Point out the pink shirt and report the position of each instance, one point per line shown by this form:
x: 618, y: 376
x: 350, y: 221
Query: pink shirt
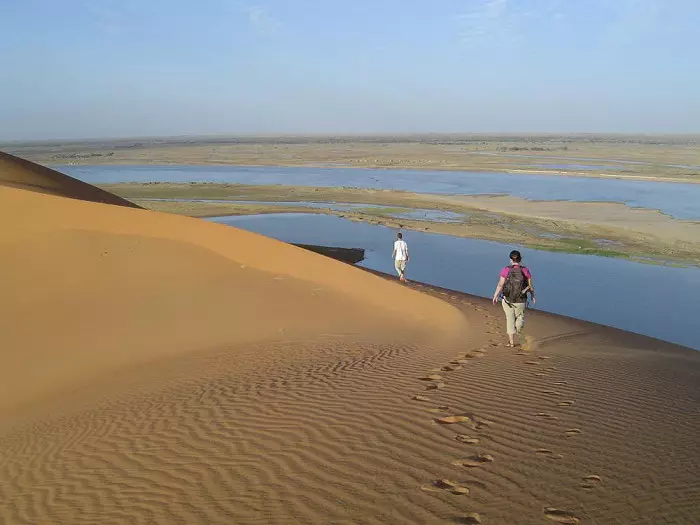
x: 504, y: 272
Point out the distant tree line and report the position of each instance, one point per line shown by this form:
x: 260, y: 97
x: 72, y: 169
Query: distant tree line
x: 81, y: 155
x: 533, y: 148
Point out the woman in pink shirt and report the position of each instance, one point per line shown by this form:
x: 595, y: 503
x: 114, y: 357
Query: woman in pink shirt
x: 514, y: 283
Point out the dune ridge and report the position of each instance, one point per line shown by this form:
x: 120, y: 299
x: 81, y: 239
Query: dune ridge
x: 20, y: 173
x: 158, y: 369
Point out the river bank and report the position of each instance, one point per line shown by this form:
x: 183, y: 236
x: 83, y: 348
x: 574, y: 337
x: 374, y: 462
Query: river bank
x: 594, y: 228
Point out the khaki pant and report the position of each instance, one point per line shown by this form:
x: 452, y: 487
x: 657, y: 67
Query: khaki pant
x: 515, y: 317
x: 400, y: 267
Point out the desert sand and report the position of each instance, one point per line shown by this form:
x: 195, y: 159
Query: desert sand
x: 161, y: 369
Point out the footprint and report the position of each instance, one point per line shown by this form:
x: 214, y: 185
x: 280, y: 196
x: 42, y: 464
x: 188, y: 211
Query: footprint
x: 449, y: 420
x: 561, y: 382
x: 481, y: 423
x: 542, y: 357
x: 573, y: 432
x: 435, y: 386
x: 561, y: 516
x: 548, y: 453
x: 591, y: 482
x: 529, y: 342
x: 445, y: 484
x: 531, y: 362
x: 451, y: 368
x: 550, y: 369
x: 421, y: 398
x: 477, y: 460
x: 565, y: 403
x: 464, y: 438
x: 540, y: 374
x: 546, y: 415
x: 471, y: 518
x: 431, y: 377
x: 439, y: 410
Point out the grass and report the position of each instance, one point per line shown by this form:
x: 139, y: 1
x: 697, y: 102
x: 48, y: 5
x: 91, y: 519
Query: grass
x: 569, y: 247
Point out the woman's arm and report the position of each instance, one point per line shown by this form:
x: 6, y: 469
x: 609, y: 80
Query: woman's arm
x: 499, y: 287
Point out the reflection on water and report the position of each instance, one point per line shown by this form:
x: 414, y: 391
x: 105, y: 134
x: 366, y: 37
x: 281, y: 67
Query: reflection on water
x: 632, y: 296
x: 676, y: 199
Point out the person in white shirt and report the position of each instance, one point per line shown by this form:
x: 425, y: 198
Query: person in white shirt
x: 400, y: 257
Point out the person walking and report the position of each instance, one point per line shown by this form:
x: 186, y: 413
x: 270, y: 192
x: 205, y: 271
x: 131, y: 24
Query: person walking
x: 514, y: 284
x: 400, y: 256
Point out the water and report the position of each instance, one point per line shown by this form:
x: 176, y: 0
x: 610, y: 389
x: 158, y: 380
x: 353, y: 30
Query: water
x: 676, y: 199
x: 429, y: 215
x: 651, y: 300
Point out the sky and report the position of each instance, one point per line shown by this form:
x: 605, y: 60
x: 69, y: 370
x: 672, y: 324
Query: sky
x: 74, y: 69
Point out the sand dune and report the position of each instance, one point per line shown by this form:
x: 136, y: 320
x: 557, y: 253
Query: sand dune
x: 20, y: 173
x: 98, y: 287
x: 159, y: 369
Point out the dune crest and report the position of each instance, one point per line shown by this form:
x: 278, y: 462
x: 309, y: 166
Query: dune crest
x: 20, y: 173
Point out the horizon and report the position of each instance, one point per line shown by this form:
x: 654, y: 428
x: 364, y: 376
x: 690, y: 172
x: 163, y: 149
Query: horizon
x: 119, y: 70
x: 359, y: 135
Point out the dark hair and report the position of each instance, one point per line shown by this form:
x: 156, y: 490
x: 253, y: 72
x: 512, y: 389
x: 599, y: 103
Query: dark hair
x: 515, y: 256
x: 399, y: 235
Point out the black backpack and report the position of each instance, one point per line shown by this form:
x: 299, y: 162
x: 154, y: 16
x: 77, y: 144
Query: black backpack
x: 515, y: 283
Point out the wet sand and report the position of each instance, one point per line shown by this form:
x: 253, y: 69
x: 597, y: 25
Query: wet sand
x: 161, y: 369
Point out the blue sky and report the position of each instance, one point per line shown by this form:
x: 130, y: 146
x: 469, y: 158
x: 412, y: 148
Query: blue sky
x: 111, y: 68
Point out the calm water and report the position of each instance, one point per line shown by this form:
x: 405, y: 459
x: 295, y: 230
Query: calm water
x: 637, y: 297
x: 676, y: 199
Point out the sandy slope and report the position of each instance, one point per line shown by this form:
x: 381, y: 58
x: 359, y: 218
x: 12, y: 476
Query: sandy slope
x: 92, y: 288
x: 20, y: 173
x: 158, y: 369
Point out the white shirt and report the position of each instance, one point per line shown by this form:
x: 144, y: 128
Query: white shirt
x: 401, y: 249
